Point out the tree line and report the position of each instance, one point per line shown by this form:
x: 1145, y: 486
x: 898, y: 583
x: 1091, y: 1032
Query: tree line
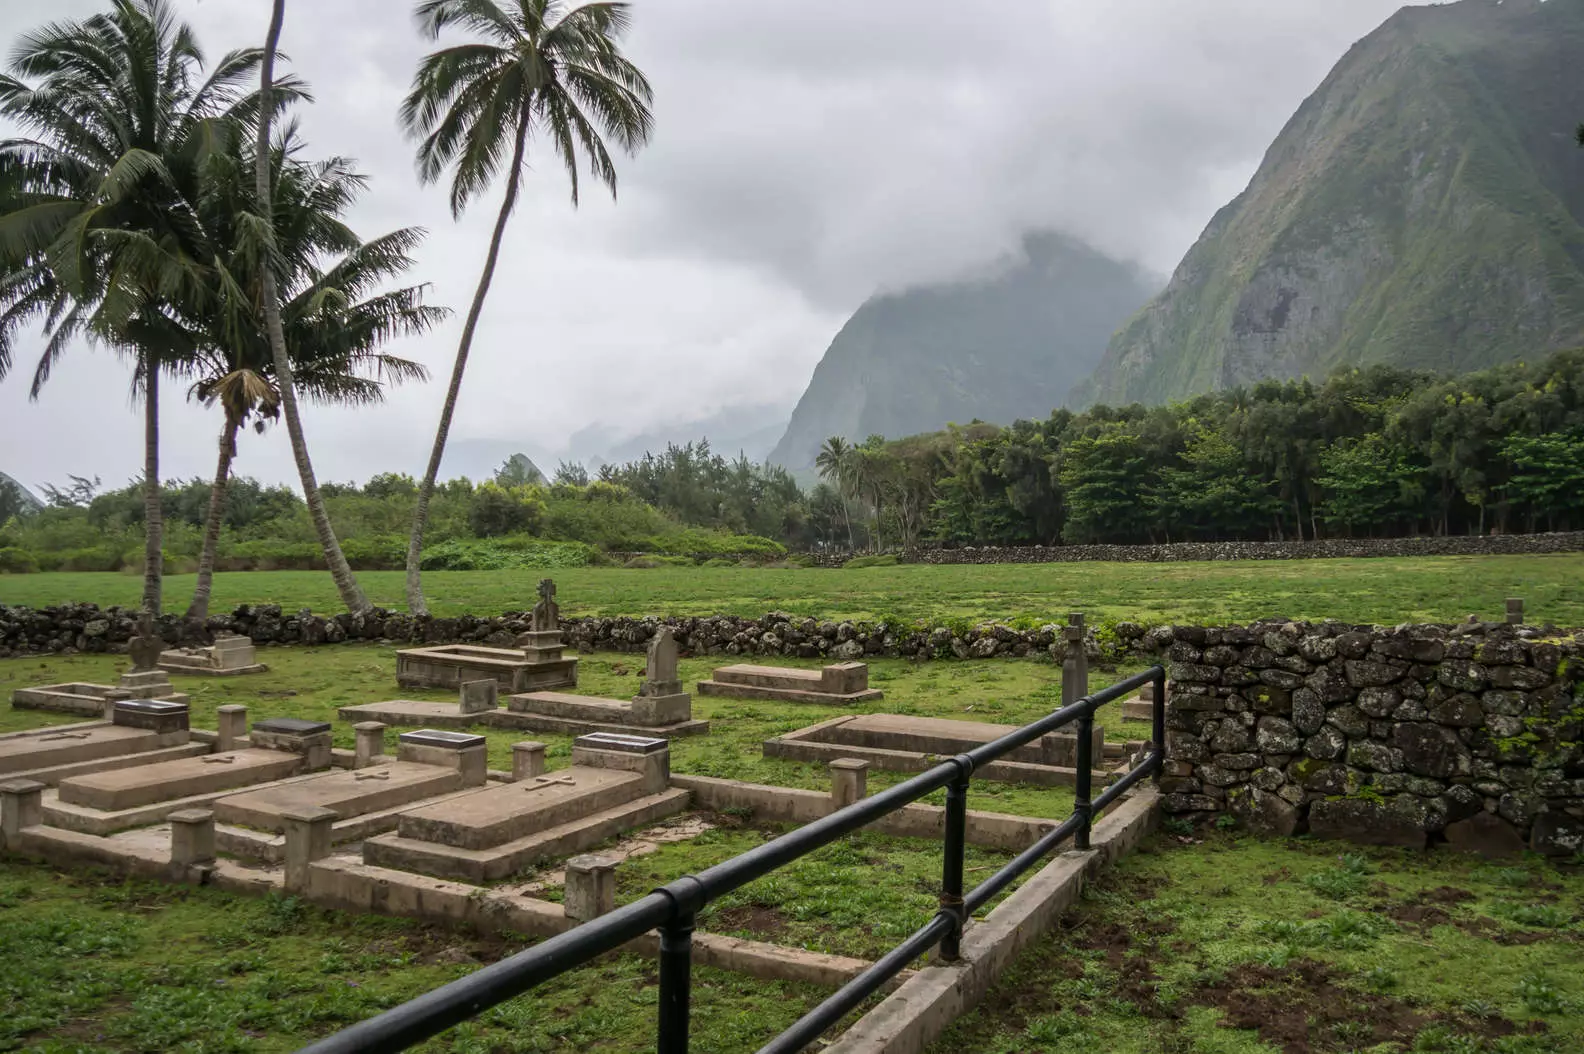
x: 161, y: 206
x: 1375, y: 451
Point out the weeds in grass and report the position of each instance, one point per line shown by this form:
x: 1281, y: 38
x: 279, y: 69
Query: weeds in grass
x: 282, y: 915
x: 1438, y: 1039
x: 1379, y: 979
x: 1225, y: 822
x: 1339, y: 883
x: 1343, y: 931
x: 1177, y: 825
x: 1538, y: 916
x: 1540, y: 994
x: 1503, y: 876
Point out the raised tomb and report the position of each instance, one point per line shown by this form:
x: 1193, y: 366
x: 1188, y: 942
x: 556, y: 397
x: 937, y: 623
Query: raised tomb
x: 615, y: 783
x: 536, y: 664
x: 104, y: 802
x: 366, y: 799
x: 139, y: 732
x: 914, y: 744
x: 840, y: 684
x: 230, y: 655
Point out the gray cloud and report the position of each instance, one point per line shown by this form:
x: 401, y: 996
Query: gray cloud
x: 805, y: 155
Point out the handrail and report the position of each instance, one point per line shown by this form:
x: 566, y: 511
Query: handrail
x: 673, y: 907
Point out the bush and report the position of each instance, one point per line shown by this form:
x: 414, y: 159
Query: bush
x: 506, y: 554
x: 17, y: 561
x: 93, y: 558
x: 879, y: 560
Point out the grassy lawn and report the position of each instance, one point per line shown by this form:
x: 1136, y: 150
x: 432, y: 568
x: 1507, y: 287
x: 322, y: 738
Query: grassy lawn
x: 1239, y: 946
x: 313, y: 683
x: 1441, y: 589
x: 1201, y: 944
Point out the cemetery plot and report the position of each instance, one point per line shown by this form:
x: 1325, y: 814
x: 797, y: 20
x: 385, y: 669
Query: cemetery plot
x: 535, y: 664
x: 73, y: 697
x: 615, y: 783
x: 836, y: 685
x: 104, y: 802
x: 229, y: 656
x: 366, y: 800
x: 914, y: 744
x: 141, y: 731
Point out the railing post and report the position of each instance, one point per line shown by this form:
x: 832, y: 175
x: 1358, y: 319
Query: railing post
x: 1085, y: 771
x: 676, y: 984
x: 951, y: 897
x: 1158, y: 713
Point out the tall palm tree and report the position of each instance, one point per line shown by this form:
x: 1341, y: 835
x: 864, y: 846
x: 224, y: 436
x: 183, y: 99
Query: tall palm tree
x: 536, y: 67
x: 834, y: 462
x: 335, y: 318
x: 269, y: 301
x: 95, y: 236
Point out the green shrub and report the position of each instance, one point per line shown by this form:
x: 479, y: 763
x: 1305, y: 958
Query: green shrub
x: 876, y: 560
x: 17, y: 561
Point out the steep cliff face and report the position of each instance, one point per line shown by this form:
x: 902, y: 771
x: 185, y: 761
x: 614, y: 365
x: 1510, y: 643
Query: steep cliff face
x: 1005, y: 346
x: 1423, y: 208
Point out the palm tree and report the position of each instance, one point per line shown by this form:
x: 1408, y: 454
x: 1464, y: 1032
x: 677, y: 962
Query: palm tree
x: 94, y: 234
x: 834, y: 462
x: 334, y: 318
x: 269, y: 302
x: 537, y: 67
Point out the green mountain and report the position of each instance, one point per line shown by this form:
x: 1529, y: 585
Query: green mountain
x: 997, y: 348
x: 23, y: 498
x: 1423, y: 208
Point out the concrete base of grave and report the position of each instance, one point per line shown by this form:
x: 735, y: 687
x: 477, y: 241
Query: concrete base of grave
x: 263, y: 846
x: 451, y: 665
x: 200, y: 667
x: 839, y: 685
x: 52, y: 775
x: 903, y: 744
x: 418, y: 713
x: 486, y: 865
x: 105, y: 802
x: 74, y: 697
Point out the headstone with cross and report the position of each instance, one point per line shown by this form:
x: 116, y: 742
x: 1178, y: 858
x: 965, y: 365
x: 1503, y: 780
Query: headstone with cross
x: 546, y: 616
x: 144, y: 649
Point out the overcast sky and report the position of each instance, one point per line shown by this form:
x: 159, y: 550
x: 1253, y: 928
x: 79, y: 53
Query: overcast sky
x: 805, y: 155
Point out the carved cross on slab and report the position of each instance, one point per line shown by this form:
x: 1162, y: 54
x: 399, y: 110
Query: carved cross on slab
x: 371, y: 776
x: 541, y: 782
x: 218, y: 759
x: 63, y: 735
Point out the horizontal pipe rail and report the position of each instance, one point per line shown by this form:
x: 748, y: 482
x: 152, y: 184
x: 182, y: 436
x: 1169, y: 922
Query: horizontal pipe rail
x: 434, y: 1012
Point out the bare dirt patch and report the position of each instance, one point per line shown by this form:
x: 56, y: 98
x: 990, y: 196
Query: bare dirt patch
x: 754, y: 918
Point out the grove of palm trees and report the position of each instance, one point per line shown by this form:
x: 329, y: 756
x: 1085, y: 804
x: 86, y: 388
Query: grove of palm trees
x: 161, y: 206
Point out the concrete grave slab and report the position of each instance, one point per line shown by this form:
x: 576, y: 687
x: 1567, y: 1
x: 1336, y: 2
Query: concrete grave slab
x: 450, y: 665
x: 73, y: 697
x: 839, y: 684
x: 229, y: 656
x: 418, y: 713
x: 52, y: 754
x: 914, y: 744
x: 149, y: 784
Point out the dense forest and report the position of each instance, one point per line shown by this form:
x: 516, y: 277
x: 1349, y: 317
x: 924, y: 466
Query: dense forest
x: 1369, y: 452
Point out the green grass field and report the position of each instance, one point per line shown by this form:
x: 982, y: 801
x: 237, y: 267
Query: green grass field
x: 1151, y: 962
x: 1440, y: 589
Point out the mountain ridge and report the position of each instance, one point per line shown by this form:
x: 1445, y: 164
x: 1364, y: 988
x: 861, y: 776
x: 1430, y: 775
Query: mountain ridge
x: 1421, y: 208
x: 996, y: 346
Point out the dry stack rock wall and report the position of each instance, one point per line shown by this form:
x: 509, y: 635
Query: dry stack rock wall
x: 1393, y: 736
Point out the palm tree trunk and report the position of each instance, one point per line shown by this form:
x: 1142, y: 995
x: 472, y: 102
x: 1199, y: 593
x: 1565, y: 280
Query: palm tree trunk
x: 153, y: 515
x: 415, y: 597
x: 346, y: 583
x: 198, y: 610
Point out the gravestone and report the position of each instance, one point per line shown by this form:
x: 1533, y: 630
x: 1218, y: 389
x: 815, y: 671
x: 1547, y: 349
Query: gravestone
x: 146, y: 680
x: 838, y: 684
x: 660, y: 699
x: 479, y: 697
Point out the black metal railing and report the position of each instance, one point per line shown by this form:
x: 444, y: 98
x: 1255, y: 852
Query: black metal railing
x: 673, y: 908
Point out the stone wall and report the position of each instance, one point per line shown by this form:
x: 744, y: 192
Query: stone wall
x: 1456, y: 545
x: 1471, y: 733
x: 87, y: 628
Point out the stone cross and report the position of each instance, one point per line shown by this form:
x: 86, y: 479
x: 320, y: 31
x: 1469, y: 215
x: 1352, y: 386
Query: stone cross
x: 546, y: 615
x: 145, y: 648
x: 541, y: 782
